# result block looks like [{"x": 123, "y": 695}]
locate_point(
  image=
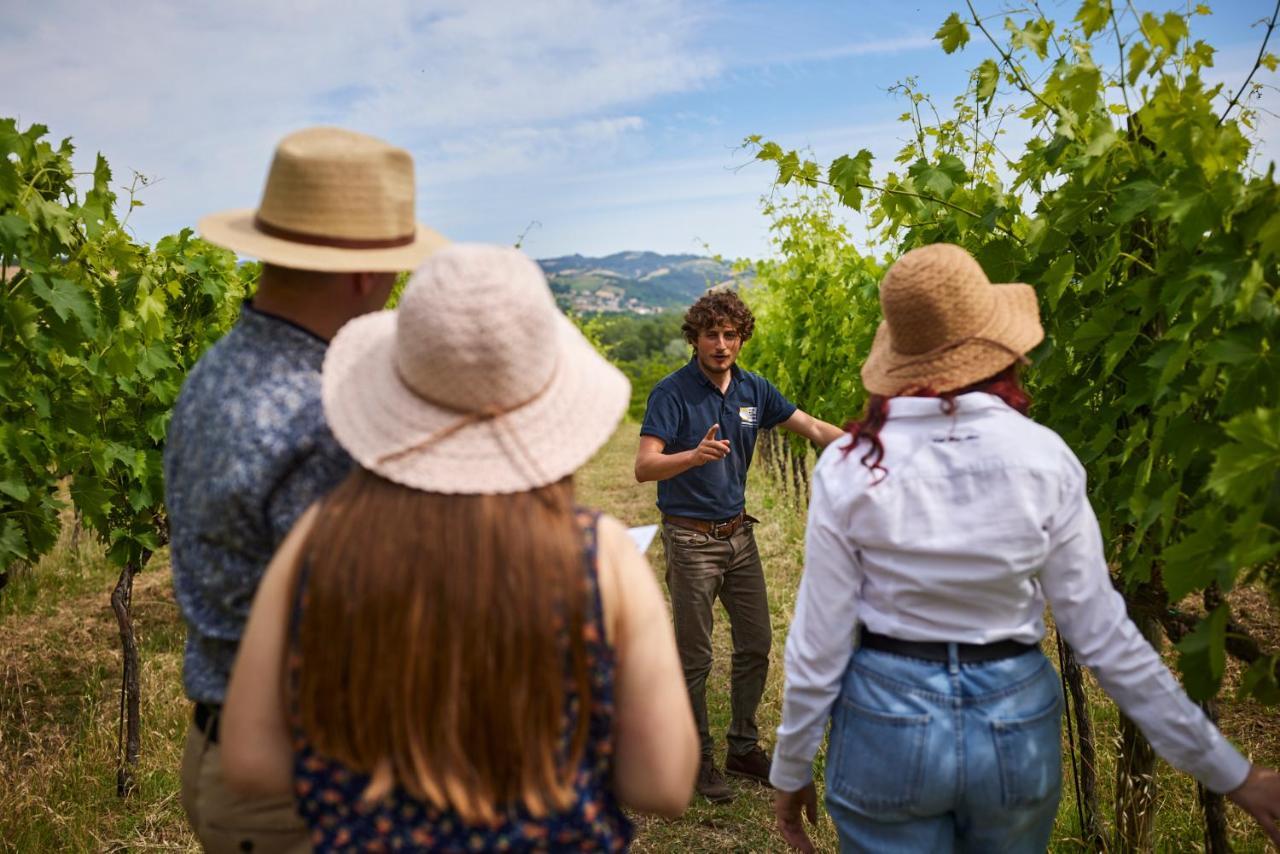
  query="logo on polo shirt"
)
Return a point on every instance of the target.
[{"x": 748, "y": 415}]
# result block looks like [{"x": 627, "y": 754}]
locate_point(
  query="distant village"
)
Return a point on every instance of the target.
[
  {"x": 606, "y": 301},
  {"x": 640, "y": 283}
]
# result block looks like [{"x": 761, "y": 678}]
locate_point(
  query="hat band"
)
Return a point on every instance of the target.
[
  {"x": 336, "y": 242},
  {"x": 491, "y": 414},
  {"x": 946, "y": 348}
]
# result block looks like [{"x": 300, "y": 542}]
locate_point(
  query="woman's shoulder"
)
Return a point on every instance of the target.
[
  {"x": 1040, "y": 443},
  {"x": 619, "y": 568}
]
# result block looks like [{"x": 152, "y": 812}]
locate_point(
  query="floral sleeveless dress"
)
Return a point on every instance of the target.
[{"x": 328, "y": 793}]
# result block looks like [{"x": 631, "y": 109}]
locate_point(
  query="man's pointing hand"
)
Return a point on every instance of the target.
[{"x": 710, "y": 448}]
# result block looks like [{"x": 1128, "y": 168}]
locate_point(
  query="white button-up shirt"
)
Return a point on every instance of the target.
[{"x": 982, "y": 517}]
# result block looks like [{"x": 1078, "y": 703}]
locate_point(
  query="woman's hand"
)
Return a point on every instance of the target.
[
  {"x": 1259, "y": 796},
  {"x": 787, "y": 807}
]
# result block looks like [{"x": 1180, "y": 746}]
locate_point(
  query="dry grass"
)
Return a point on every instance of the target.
[
  {"x": 59, "y": 707},
  {"x": 59, "y": 678}
]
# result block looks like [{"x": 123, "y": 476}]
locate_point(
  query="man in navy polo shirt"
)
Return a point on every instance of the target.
[{"x": 697, "y": 439}]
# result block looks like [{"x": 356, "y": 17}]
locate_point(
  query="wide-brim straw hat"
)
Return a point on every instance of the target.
[
  {"x": 336, "y": 201},
  {"x": 946, "y": 326},
  {"x": 474, "y": 384}
]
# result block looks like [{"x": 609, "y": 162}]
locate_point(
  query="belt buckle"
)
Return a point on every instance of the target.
[{"x": 717, "y": 526}]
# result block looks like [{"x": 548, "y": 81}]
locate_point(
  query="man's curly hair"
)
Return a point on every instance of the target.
[{"x": 714, "y": 308}]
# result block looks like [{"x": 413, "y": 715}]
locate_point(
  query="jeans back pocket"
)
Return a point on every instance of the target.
[
  {"x": 1029, "y": 753},
  {"x": 877, "y": 758}
]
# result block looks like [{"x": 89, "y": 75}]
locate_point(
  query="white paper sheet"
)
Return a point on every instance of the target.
[{"x": 642, "y": 536}]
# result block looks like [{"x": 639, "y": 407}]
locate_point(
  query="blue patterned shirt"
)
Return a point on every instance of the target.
[{"x": 248, "y": 451}]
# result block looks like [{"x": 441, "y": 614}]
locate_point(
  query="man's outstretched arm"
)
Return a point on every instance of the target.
[
  {"x": 814, "y": 429},
  {"x": 653, "y": 464}
]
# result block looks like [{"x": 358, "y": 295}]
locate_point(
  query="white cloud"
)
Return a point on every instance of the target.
[
  {"x": 524, "y": 150},
  {"x": 198, "y": 94},
  {"x": 862, "y": 48}
]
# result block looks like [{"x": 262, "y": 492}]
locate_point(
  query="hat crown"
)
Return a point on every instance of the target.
[
  {"x": 474, "y": 330},
  {"x": 934, "y": 296},
  {"x": 329, "y": 182}
]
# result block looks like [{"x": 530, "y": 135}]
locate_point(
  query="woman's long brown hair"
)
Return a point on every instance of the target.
[{"x": 442, "y": 641}]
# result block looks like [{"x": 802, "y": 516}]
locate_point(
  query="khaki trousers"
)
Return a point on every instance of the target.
[
  {"x": 227, "y": 822},
  {"x": 701, "y": 569}
]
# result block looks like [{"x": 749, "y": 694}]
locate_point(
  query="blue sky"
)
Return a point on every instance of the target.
[{"x": 613, "y": 125}]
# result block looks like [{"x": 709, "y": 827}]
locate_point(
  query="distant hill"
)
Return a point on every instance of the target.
[{"x": 635, "y": 282}]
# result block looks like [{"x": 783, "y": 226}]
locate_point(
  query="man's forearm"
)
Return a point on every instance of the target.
[
  {"x": 827, "y": 433},
  {"x": 663, "y": 466},
  {"x": 814, "y": 429}
]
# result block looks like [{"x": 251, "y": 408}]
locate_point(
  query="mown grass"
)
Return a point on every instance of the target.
[{"x": 59, "y": 678}]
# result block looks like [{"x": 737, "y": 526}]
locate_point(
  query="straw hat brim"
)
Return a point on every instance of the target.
[
  {"x": 1014, "y": 328},
  {"x": 236, "y": 230},
  {"x": 372, "y": 413}
]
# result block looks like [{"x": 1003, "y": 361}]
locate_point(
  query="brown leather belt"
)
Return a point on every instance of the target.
[{"x": 720, "y": 530}]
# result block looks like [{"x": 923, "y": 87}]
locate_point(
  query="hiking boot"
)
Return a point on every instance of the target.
[
  {"x": 754, "y": 765},
  {"x": 711, "y": 783}
]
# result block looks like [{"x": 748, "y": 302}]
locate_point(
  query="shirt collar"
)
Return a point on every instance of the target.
[
  {"x": 735, "y": 375},
  {"x": 256, "y": 316},
  {"x": 931, "y": 407}
]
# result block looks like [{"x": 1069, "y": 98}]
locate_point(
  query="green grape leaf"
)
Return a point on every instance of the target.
[
  {"x": 848, "y": 175},
  {"x": 1246, "y": 465},
  {"x": 1133, "y": 199},
  {"x": 1032, "y": 36},
  {"x": 1259, "y": 681},
  {"x": 1055, "y": 280},
  {"x": 1203, "y": 655},
  {"x": 13, "y": 545},
  {"x": 1138, "y": 56},
  {"x": 66, "y": 299},
  {"x": 953, "y": 33},
  {"x": 15, "y": 489},
  {"x": 988, "y": 77},
  {"x": 1093, "y": 15}
]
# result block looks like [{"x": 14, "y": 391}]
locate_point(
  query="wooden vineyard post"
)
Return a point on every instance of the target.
[
  {"x": 766, "y": 448},
  {"x": 1135, "y": 769},
  {"x": 783, "y": 451},
  {"x": 1213, "y": 804},
  {"x": 1083, "y": 747},
  {"x": 800, "y": 475},
  {"x": 128, "y": 739}
]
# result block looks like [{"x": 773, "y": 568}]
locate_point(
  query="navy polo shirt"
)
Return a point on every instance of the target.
[{"x": 682, "y": 408}]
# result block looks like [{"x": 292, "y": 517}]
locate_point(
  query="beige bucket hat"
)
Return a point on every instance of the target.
[
  {"x": 336, "y": 201},
  {"x": 945, "y": 325},
  {"x": 474, "y": 384}
]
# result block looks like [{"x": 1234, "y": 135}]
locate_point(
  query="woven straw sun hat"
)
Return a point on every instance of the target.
[
  {"x": 474, "y": 384},
  {"x": 946, "y": 326},
  {"x": 335, "y": 201}
]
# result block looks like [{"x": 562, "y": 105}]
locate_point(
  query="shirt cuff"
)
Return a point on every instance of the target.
[
  {"x": 1224, "y": 768},
  {"x": 789, "y": 775}
]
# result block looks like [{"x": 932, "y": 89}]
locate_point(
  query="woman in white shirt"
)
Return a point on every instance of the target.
[{"x": 940, "y": 538}]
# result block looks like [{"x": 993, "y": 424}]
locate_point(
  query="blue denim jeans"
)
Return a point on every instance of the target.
[{"x": 940, "y": 757}]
